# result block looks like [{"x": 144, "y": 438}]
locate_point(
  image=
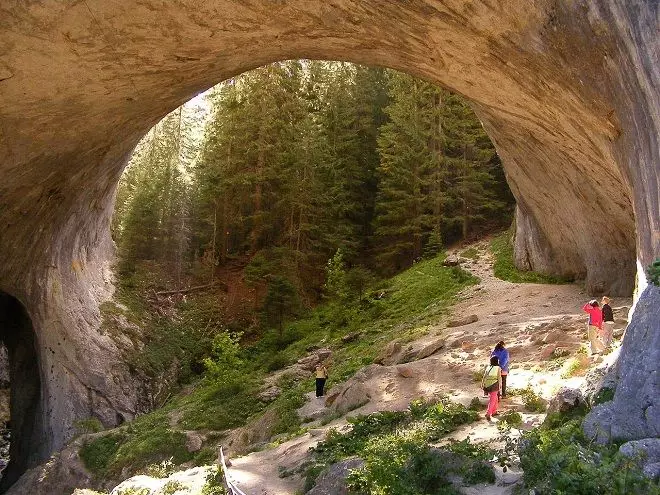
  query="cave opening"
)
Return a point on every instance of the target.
[{"x": 20, "y": 394}]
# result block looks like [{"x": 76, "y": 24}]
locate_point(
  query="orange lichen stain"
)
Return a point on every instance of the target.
[{"x": 76, "y": 266}]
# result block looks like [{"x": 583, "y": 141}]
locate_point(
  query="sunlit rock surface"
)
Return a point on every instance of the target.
[{"x": 569, "y": 92}]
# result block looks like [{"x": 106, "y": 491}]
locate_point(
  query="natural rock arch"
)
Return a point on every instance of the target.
[{"x": 568, "y": 91}]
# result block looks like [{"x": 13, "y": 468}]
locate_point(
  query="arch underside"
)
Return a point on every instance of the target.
[{"x": 568, "y": 91}]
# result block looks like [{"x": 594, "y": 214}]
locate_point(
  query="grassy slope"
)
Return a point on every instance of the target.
[{"x": 401, "y": 307}]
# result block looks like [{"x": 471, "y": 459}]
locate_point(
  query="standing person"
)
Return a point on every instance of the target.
[
  {"x": 594, "y": 326},
  {"x": 608, "y": 322},
  {"x": 321, "y": 377},
  {"x": 502, "y": 354},
  {"x": 491, "y": 382}
]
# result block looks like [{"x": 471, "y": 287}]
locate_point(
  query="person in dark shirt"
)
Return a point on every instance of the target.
[{"x": 608, "y": 322}]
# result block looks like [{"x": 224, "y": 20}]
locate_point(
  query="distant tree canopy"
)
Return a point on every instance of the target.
[{"x": 298, "y": 159}]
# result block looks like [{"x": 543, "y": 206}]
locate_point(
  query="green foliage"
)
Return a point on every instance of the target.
[
  {"x": 215, "y": 483},
  {"x": 570, "y": 368},
  {"x": 653, "y": 272},
  {"x": 285, "y": 407},
  {"x": 504, "y": 268},
  {"x": 218, "y": 406},
  {"x": 281, "y": 302},
  {"x": 394, "y": 445},
  {"x": 224, "y": 365},
  {"x": 97, "y": 454},
  {"x": 510, "y": 418},
  {"x": 134, "y": 491},
  {"x": 336, "y": 285},
  {"x": 466, "y": 448},
  {"x": 143, "y": 442},
  {"x": 89, "y": 425},
  {"x": 160, "y": 469},
  {"x": 478, "y": 472},
  {"x": 171, "y": 487},
  {"x": 605, "y": 394},
  {"x": 531, "y": 400},
  {"x": 559, "y": 459}
]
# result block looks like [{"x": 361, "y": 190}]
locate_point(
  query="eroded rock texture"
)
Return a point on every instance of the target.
[{"x": 568, "y": 91}]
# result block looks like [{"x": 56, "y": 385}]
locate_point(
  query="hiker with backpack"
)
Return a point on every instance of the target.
[
  {"x": 491, "y": 383},
  {"x": 502, "y": 354}
]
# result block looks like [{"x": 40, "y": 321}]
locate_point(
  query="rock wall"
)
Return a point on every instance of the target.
[{"x": 569, "y": 92}]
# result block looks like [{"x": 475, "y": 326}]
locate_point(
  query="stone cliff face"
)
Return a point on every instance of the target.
[{"x": 569, "y": 92}]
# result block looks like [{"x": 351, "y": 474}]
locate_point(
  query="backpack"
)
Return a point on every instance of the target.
[{"x": 491, "y": 388}]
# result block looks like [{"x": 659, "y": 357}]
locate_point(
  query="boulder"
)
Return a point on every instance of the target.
[
  {"x": 309, "y": 363},
  {"x": 194, "y": 441},
  {"x": 451, "y": 260},
  {"x": 406, "y": 371},
  {"x": 270, "y": 394},
  {"x": 554, "y": 336},
  {"x": 348, "y": 396},
  {"x": 566, "y": 400},
  {"x": 386, "y": 356},
  {"x": 547, "y": 351},
  {"x": 459, "y": 322},
  {"x": 332, "y": 481},
  {"x": 350, "y": 337},
  {"x": 646, "y": 453},
  {"x": 430, "y": 348}
]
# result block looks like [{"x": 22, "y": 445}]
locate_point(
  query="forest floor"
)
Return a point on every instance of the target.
[{"x": 544, "y": 330}]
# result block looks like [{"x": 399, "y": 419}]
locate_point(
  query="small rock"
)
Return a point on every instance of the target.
[
  {"x": 547, "y": 351},
  {"x": 332, "y": 481},
  {"x": 566, "y": 399},
  {"x": 462, "y": 321},
  {"x": 451, "y": 260},
  {"x": 406, "y": 371},
  {"x": 385, "y": 357},
  {"x": 270, "y": 394},
  {"x": 194, "y": 441},
  {"x": 350, "y": 337}
]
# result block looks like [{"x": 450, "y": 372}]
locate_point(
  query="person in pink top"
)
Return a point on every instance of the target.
[{"x": 595, "y": 325}]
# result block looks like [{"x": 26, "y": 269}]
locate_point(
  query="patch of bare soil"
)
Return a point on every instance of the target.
[{"x": 543, "y": 328}]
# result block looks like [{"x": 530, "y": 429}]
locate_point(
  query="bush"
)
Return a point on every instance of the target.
[
  {"x": 97, "y": 454},
  {"x": 559, "y": 459}
]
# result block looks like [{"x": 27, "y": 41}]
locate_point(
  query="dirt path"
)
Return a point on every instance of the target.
[{"x": 533, "y": 319}]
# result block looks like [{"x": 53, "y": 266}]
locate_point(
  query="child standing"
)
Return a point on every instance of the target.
[{"x": 491, "y": 383}]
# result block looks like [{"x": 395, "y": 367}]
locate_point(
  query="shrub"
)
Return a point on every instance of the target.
[
  {"x": 559, "y": 459},
  {"x": 605, "y": 394},
  {"x": 96, "y": 454}
]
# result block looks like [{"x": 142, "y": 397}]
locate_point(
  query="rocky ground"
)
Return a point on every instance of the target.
[{"x": 542, "y": 325}]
